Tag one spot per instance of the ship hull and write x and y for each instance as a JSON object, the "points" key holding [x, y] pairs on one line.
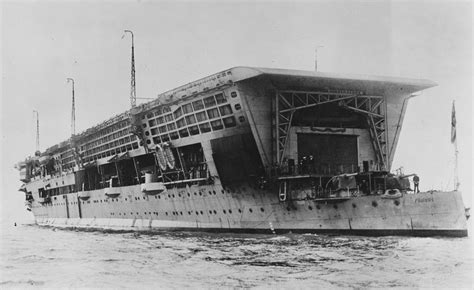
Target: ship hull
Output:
{"points": [[244, 209]]}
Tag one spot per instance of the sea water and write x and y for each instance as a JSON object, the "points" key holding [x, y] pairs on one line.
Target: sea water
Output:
{"points": [[45, 257]]}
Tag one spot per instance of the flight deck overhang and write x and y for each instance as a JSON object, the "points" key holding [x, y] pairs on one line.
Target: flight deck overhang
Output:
{"points": [[285, 79], [382, 100]]}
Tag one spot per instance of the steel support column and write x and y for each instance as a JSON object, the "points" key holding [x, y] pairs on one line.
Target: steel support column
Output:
{"points": [[287, 102]]}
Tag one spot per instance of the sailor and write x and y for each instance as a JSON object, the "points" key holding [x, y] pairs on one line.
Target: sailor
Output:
{"points": [[311, 163], [416, 182]]}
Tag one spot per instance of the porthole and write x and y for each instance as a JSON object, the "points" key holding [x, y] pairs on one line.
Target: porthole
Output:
{"points": [[224, 211], [214, 192], [261, 209], [166, 213], [241, 119], [195, 193], [288, 209], [374, 203], [318, 206], [250, 210], [354, 205], [238, 106], [197, 213], [181, 213], [147, 133], [210, 211], [148, 142], [240, 211], [335, 206], [189, 194], [310, 207], [200, 193], [215, 212], [233, 94], [155, 197], [230, 211], [144, 125], [172, 195], [396, 202], [222, 191], [201, 212], [179, 194]]}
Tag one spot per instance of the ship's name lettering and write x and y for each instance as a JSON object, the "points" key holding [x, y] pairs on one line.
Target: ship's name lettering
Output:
{"points": [[426, 199]]}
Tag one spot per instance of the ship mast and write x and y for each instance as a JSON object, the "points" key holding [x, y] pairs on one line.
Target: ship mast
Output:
{"points": [[73, 111], [133, 95], [37, 131]]}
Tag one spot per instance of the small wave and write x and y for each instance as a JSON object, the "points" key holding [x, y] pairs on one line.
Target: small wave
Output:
{"points": [[22, 282]]}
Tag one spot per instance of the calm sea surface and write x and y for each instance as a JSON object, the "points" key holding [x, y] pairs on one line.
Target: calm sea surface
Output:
{"points": [[32, 256]]}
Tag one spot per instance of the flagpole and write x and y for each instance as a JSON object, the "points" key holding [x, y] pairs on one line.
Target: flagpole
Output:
{"points": [[456, 179], [454, 140]]}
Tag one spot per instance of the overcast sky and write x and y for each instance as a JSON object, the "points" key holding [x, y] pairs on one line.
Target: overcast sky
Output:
{"points": [[45, 42]]}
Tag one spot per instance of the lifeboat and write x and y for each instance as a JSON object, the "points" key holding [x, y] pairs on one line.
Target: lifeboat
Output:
{"points": [[160, 155], [170, 161], [84, 195]]}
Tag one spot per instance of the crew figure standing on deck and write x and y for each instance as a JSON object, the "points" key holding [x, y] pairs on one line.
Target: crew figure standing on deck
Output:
{"points": [[416, 182]]}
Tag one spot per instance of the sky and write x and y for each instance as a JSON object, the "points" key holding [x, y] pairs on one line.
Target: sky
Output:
{"points": [[45, 42]]}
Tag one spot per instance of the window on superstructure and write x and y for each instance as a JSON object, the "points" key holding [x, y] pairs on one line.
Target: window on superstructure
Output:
{"points": [[171, 126], [135, 145], [188, 108], [158, 111], [169, 118], [190, 119], [180, 123], [178, 113], [220, 98], [193, 130], [229, 122], [156, 140], [152, 122], [213, 113], [154, 131], [205, 127], [225, 110], [160, 120], [183, 133], [162, 129], [166, 109], [216, 125], [149, 115], [198, 105], [165, 137], [174, 135], [209, 102], [201, 116]]}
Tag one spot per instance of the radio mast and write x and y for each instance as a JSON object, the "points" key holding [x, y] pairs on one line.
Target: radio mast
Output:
{"points": [[316, 57], [133, 95], [73, 111], [37, 131]]}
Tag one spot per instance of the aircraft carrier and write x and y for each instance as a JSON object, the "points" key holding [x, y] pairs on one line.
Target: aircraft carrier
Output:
{"points": [[246, 149]]}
